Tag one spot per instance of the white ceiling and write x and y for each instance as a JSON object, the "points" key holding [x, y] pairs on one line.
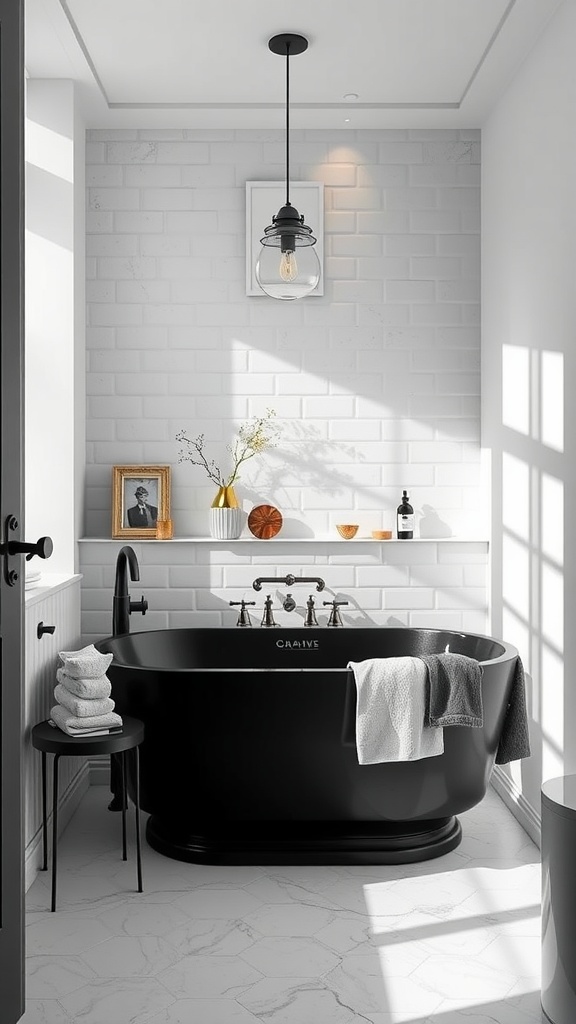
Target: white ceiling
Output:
{"points": [[422, 63]]}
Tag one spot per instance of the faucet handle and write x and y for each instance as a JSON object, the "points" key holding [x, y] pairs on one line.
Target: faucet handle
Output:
{"points": [[139, 606], [335, 619], [244, 616]]}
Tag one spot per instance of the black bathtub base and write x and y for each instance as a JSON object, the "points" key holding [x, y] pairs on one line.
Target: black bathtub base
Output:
{"points": [[307, 842]]}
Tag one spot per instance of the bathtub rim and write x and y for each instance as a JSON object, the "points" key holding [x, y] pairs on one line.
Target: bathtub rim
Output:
{"points": [[509, 652]]}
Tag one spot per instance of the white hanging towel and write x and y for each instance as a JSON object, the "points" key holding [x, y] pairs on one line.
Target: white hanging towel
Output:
{"points": [[391, 711]]}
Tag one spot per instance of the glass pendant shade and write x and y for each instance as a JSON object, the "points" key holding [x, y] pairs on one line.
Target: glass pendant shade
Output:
{"points": [[288, 266]]}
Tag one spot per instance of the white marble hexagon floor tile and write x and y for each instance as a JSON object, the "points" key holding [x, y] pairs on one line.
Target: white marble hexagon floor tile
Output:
{"points": [[450, 941]]}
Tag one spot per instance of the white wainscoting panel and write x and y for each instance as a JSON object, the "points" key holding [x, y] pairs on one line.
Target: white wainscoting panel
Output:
{"points": [[58, 607]]}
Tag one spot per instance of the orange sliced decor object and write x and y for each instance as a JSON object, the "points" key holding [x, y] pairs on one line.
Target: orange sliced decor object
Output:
{"points": [[265, 521]]}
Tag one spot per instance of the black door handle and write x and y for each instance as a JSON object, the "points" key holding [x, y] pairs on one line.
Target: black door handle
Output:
{"points": [[43, 548]]}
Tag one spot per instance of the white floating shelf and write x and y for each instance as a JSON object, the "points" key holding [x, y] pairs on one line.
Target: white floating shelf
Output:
{"points": [[287, 540]]}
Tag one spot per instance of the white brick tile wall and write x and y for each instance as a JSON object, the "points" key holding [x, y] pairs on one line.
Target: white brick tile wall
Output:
{"points": [[375, 384], [386, 583]]}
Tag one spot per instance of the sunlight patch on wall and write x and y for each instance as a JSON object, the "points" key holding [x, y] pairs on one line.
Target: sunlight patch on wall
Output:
{"points": [[516, 631], [552, 518], [552, 711], [552, 603], [516, 576], [552, 400], [49, 150], [516, 388], [516, 496]]}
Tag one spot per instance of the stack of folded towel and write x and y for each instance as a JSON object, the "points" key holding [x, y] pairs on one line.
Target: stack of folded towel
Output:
{"points": [[84, 706]]}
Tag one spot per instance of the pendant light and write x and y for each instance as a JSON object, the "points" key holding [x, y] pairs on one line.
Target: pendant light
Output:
{"points": [[288, 266]]}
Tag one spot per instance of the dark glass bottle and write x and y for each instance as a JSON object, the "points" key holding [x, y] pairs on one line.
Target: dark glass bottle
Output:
{"points": [[405, 519]]}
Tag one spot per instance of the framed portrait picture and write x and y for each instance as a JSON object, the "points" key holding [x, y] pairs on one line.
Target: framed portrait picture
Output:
{"points": [[140, 497]]}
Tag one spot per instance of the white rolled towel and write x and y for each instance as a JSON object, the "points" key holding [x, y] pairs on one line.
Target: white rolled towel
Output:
{"points": [[87, 663], [88, 689], [83, 726], [82, 708]]}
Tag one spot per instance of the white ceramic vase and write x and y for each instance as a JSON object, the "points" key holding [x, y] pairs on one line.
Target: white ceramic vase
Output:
{"points": [[226, 516]]}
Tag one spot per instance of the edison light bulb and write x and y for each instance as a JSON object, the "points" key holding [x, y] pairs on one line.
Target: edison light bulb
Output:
{"points": [[288, 267]]}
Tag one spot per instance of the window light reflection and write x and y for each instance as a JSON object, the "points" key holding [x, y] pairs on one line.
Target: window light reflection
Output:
{"points": [[516, 388], [552, 400]]}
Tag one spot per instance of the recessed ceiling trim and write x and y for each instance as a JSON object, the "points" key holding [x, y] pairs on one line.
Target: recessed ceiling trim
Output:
{"points": [[280, 106], [455, 105], [489, 46], [85, 51]]}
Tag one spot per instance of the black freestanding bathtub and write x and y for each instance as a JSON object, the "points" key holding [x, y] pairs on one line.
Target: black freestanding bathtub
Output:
{"points": [[249, 754]]}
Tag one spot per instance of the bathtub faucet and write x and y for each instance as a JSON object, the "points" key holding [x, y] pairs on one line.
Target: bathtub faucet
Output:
{"points": [[289, 581], [122, 606]]}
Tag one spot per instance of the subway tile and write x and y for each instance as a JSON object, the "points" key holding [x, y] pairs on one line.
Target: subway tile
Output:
{"points": [[400, 153], [383, 175], [357, 245], [437, 576], [415, 597], [465, 598], [434, 619], [356, 199], [447, 152], [112, 245], [104, 174], [148, 175], [114, 314], [410, 291], [382, 576], [113, 199], [141, 222], [167, 198], [131, 152], [464, 290], [143, 291], [182, 152]]}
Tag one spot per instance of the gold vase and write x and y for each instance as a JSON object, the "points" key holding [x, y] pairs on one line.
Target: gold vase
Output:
{"points": [[226, 516], [226, 498]]}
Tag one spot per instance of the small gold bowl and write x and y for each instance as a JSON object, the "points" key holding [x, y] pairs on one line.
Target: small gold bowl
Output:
{"points": [[382, 534], [347, 530]]}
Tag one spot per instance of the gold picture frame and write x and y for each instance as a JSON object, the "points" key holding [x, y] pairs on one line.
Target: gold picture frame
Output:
{"points": [[140, 497]]}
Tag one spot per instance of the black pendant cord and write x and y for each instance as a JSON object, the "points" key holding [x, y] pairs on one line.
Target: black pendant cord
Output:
{"points": [[287, 123]]}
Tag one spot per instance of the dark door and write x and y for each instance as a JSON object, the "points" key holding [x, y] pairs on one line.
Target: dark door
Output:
{"points": [[11, 505]]}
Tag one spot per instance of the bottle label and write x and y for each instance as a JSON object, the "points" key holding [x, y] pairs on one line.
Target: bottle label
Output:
{"points": [[406, 523]]}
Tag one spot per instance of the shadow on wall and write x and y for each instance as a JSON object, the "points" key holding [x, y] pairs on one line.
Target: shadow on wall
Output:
{"points": [[431, 525]]}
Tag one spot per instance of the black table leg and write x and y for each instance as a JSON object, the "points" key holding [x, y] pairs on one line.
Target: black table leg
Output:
{"points": [[44, 815], [137, 794], [124, 802], [54, 830]]}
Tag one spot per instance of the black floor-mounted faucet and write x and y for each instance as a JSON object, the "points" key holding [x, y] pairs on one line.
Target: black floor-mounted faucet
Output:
{"points": [[122, 606]]}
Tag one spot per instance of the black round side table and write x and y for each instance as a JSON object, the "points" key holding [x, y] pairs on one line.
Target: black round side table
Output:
{"points": [[559, 899], [51, 740]]}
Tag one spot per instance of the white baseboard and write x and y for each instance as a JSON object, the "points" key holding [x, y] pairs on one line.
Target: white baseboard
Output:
{"points": [[99, 770], [517, 803], [94, 772]]}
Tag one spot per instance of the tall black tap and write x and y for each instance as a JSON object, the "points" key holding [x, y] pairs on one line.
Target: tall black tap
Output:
{"points": [[122, 606]]}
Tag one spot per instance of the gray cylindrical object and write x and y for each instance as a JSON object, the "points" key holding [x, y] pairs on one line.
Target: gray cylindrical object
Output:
{"points": [[559, 899]]}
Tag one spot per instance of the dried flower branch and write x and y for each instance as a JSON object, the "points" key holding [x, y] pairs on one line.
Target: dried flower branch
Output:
{"points": [[253, 438]]}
